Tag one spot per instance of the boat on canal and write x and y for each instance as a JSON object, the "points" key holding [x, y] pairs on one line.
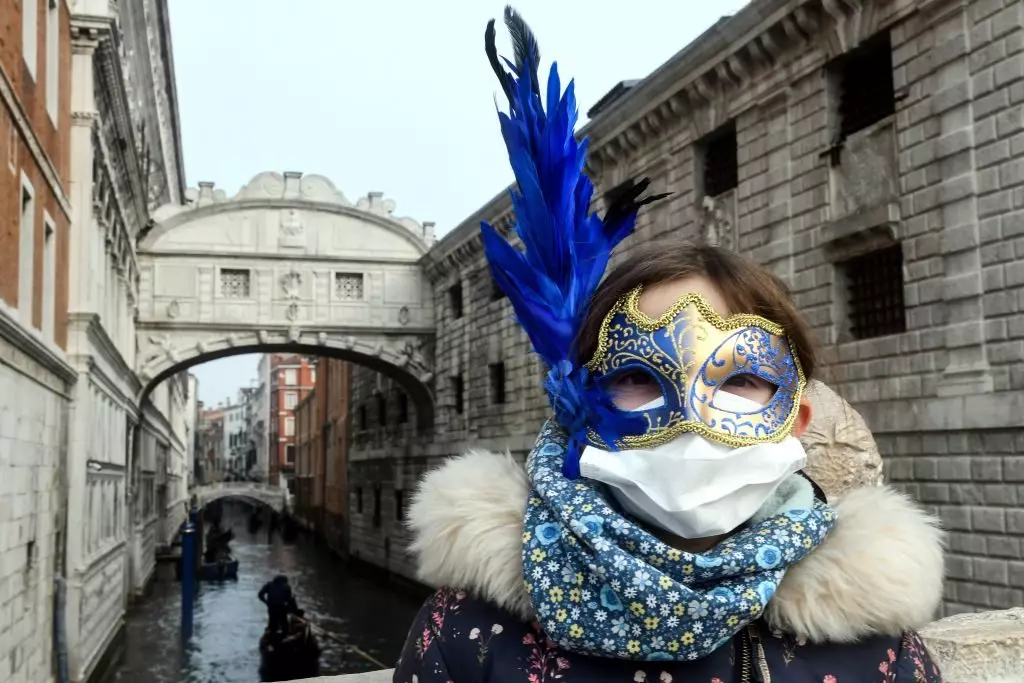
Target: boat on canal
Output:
{"points": [[224, 569], [294, 656]]}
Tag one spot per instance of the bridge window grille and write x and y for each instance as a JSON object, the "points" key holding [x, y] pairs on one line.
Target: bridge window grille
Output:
{"points": [[359, 499], [234, 283], [382, 410], [874, 287], [399, 505], [362, 417], [348, 286], [865, 85], [721, 163], [403, 408], [497, 371], [455, 300]]}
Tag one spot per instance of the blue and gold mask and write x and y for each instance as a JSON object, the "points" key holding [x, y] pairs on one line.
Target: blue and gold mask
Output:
{"points": [[691, 352]]}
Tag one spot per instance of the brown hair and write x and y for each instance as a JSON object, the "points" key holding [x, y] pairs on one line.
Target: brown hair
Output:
{"points": [[745, 286]]}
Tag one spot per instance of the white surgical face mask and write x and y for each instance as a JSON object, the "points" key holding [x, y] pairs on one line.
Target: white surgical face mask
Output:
{"points": [[693, 487]]}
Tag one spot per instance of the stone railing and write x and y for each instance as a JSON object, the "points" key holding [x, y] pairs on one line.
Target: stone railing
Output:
{"points": [[970, 648]]}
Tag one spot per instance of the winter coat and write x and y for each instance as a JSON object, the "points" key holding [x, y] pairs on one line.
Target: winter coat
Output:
{"points": [[846, 613]]}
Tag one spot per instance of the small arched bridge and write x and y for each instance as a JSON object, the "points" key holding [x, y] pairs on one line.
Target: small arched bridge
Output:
{"points": [[273, 497]]}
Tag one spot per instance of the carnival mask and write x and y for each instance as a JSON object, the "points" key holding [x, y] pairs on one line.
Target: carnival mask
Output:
{"points": [[691, 353]]}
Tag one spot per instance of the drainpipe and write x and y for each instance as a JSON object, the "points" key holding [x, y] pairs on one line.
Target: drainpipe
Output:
{"points": [[60, 637]]}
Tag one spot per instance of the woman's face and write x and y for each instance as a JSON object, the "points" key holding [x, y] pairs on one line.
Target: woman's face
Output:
{"points": [[632, 390]]}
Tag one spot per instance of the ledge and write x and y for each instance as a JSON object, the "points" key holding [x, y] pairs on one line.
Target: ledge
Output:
{"points": [[970, 648]]}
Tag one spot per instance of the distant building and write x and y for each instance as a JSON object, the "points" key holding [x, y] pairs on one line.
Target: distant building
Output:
{"points": [[292, 376], [321, 467]]}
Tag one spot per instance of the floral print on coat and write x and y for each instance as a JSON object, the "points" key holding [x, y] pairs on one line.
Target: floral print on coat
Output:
{"points": [[459, 639]]}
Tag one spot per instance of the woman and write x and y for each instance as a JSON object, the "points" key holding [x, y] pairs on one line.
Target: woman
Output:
{"points": [[662, 528]]}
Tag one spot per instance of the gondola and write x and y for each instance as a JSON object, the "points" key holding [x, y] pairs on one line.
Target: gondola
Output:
{"points": [[294, 657], [223, 570]]}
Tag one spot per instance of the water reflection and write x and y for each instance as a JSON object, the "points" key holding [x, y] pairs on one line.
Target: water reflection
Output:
{"points": [[229, 619]]}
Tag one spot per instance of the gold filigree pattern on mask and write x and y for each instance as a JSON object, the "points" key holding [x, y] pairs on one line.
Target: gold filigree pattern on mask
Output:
{"points": [[692, 352]]}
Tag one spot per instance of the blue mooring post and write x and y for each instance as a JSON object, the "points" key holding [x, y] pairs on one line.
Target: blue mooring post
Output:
{"points": [[188, 575]]}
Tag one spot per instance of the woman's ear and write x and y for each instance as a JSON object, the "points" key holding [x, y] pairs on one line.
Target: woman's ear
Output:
{"points": [[803, 418]]}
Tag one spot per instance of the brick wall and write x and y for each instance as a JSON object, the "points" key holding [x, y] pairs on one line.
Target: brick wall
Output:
{"points": [[939, 178], [34, 145]]}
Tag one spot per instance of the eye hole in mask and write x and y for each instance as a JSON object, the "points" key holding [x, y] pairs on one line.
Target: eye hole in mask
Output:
{"points": [[745, 385], [634, 389], [638, 390]]}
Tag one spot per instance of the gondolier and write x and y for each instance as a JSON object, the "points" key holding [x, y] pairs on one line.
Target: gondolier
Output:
{"points": [[277, 596]]}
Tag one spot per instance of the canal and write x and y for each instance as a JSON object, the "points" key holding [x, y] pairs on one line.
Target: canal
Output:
{"points": [[348, 608]]}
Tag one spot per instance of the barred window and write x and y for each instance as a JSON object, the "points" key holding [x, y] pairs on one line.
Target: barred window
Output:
{"points": [[455, 300], [399, 504], [874, 287], [721, 163], [497, 371], [234, 283], [348, 286], [865, 85], [382, 410], [457, 391]]}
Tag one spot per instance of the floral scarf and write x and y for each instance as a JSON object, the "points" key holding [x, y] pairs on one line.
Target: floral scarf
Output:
{"points": [[603, 586]]}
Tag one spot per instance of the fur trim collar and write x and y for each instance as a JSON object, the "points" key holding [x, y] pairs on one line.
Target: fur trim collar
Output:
{"points": [[880, 571]]}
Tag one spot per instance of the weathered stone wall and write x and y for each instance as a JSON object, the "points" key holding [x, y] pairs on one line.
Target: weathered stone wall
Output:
{"points": [[942, 177], [33, 431]]}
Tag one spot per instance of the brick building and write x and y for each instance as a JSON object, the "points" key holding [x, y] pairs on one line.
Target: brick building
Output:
{"points": [[292, 376], [322, 454], [872, 155], [35, 376]]}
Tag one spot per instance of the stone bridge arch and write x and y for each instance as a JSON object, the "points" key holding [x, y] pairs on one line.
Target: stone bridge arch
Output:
{"points": [[287, 264], [272, 497]]}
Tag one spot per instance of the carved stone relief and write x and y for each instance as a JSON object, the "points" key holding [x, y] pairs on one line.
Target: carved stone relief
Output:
{"points": [[292, 230]]}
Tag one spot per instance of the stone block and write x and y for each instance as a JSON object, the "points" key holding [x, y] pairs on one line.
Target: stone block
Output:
{"points": [[978, 647], [988, 519], [991, 571]]}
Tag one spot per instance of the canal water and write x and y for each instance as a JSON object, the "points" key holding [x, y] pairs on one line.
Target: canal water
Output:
{"points": [[229, 619]]}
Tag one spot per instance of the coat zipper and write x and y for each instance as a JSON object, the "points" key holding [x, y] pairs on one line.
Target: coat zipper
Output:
{"points": [[762, 662], [746, 675]]}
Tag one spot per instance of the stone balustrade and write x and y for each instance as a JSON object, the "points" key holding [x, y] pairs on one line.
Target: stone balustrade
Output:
{"points": [[987, 647]]}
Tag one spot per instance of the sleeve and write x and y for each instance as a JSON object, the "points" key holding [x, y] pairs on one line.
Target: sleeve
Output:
{"points": [[422, 659], [914, 664]]}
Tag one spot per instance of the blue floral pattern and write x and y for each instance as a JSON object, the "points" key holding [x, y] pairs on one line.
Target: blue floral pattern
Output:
{"points": [[601, 585]]}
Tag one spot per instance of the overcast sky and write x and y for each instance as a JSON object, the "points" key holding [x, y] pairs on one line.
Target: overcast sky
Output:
{"points": [[387, 95]]}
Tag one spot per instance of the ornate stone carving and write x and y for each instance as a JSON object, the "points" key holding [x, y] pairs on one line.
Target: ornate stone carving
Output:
{"points": [[292, 229], [841, 452], [403, 315], [294, 333], [173, 309], [293, 312], [291, 283]]}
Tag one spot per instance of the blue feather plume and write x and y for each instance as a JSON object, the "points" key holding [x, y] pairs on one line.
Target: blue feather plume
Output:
{"points": [[566, 247]]}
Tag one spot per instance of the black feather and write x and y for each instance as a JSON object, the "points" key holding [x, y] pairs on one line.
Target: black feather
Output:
{"points": [[626, 200], [492, 57], [524, 44]]}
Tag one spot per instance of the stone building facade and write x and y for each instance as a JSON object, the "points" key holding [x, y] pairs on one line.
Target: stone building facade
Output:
{"points": [[89, 142], [872, 155], [36, 378]]}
